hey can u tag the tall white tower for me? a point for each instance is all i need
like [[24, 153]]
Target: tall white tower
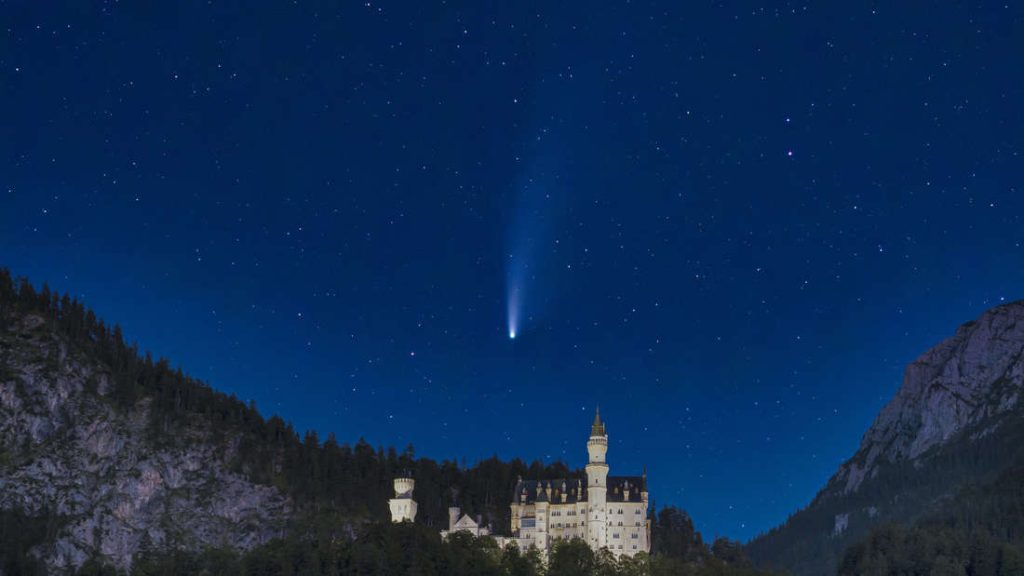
[[403, 507], [597, 485]]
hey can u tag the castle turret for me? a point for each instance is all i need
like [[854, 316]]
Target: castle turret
[[597, 484], [403, 507]]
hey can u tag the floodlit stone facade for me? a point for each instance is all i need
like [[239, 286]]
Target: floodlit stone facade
[[604, 511]]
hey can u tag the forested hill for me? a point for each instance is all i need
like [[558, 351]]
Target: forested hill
[[977, 532], [110, 451]]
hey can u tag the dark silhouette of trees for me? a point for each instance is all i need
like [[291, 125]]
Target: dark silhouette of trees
[[978, 532]]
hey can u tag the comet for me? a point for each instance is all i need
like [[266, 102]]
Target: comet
[[538, 204], [513, 311]]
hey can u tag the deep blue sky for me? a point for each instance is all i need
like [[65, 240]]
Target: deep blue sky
[[731, 226]]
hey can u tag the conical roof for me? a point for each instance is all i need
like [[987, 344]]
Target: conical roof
[[597, 429]]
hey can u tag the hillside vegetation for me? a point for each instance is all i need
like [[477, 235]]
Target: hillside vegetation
[[119, 463]]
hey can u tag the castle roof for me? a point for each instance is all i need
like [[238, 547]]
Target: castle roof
[[618, 486], [597, 429], [466, 523], [532, 491], [575, 490]]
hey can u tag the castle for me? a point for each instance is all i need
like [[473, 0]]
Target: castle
[[604, 511]]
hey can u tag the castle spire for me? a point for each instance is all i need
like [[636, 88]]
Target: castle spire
[[597, 429]]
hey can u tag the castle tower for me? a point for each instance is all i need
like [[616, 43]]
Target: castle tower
[[597, 485], [403, 507]]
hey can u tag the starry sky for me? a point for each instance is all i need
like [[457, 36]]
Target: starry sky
[[728, 224]]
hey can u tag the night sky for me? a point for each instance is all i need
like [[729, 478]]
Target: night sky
[[728, 225]]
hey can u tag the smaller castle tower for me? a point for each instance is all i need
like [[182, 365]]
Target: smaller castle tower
[[403, 507]]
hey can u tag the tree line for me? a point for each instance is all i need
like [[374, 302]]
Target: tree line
[[977, 532], [385, 549]]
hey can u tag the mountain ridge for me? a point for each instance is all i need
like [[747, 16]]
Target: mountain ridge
[[956, 419], [959, 369]]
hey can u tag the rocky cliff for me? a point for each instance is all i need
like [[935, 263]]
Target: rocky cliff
[[68, 452], [966, 380], [956, 421]]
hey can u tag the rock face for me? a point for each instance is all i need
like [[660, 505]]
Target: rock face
[[957, 420], [66, 450], [967, 379]]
